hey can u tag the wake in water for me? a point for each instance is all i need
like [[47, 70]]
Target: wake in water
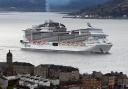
[[11, 46]]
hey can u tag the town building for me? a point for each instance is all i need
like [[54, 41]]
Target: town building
[[37, 82], [122, 83], [33, 82], [3, 67], [72, 75], [108, 82], [114, 80], [41, 70], [52, 76], [10, 68], [3, 82], [63, 73], [97, 75], [6, 68], [91, 83], [22, 68], [72, 86]]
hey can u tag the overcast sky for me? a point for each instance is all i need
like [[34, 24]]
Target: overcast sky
[[58, 2]]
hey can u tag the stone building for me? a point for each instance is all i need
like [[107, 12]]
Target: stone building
[[10, 68], [97, 74], [6, 68], [63, 73], [122, 83], [114, 80], [41, 70], [69, 76], [3, 67], [91, 83], [3, 82], [23, 68], [9, 58], [108, 82]]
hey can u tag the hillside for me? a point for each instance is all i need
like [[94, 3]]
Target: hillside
[[113, 8], [73, 5]]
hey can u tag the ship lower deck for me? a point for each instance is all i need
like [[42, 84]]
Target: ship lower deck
[[98, 48]]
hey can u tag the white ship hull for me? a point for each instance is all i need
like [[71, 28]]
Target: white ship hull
[[98, 48]]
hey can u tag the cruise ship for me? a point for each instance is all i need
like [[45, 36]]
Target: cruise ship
[[53, 36]]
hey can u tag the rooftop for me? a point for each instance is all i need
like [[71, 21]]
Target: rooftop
[[2, 77], [22, 64], [59, 67]]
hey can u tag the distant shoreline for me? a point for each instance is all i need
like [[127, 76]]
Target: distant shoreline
[[81, 17], [67, 15], [35, 11]]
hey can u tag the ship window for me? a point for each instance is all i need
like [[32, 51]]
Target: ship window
[[55, 44]]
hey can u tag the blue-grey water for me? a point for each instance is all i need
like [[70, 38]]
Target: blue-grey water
[[12, 24]]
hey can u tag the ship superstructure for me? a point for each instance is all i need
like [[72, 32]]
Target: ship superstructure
[[53, 36]]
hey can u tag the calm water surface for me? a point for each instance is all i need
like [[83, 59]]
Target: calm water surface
[[12, 24]]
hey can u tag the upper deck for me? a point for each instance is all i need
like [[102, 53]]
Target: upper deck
[[48, 27], [53, 31]]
